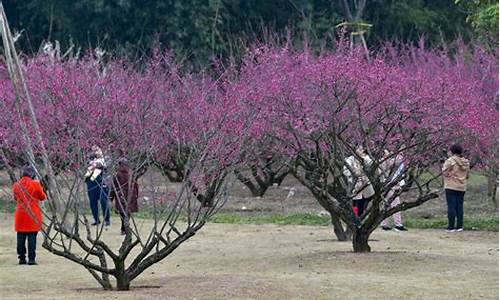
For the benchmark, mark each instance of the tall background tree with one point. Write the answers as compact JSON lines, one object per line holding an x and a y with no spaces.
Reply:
{"x":482,"y":15}
{"x":200,"y":30}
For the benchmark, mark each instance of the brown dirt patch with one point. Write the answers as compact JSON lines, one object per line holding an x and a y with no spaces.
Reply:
{"x":226,"y":261}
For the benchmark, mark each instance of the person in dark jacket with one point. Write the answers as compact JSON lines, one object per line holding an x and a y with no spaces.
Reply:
{"x":97,"y":188}
{"x":125,"y":191}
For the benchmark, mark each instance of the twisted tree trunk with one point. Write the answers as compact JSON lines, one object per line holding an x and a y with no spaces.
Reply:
{"x":122,"y":278}
{"x":360,"y":241}
{"x":338,"y":229}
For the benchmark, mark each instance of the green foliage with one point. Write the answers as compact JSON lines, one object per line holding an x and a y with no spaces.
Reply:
{"x":409,"y":20}
{"x":200,"y":30}
{"x":483,"y":16}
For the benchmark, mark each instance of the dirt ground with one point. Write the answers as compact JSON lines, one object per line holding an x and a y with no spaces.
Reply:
{"x":225,"y":261}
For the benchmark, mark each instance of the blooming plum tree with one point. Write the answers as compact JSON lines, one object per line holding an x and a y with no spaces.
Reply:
{"x":338,"y":113}
{"x":138,"y":114}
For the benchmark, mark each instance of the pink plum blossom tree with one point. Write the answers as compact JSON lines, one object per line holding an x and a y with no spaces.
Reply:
{"x":338,"y":107}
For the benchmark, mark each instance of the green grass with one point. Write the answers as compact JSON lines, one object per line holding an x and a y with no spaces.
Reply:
{"x":470,"y":223}
{"x":475,"y":178}
{"x":295,"y":219}
{"x":476,"y":223}
{"x":7,"y":206}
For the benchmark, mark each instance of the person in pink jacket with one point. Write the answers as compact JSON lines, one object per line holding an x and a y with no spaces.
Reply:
{"x":455,"y":174}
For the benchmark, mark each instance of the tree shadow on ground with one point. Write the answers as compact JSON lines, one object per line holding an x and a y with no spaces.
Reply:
{"x":132,"y":288}
{"x":348,"y":241}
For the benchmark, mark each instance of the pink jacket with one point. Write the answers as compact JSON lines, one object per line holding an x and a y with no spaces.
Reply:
{"x":455,"y":173}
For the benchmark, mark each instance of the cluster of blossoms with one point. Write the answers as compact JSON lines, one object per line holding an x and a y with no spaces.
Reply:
{"x":155,"y":110}
{"x":309,"y":110}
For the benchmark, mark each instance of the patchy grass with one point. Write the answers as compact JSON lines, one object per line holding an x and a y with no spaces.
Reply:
{"x":474,"y":223}
{"x":302,"y":209}
{"x":488,"y":223}
{"x":7,"y":206}
{"x":295,"y":219}
{"x":475,"y":178}
{"x":470,"y":223}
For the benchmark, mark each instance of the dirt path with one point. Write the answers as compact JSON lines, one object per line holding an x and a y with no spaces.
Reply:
{"x":226,"y":261}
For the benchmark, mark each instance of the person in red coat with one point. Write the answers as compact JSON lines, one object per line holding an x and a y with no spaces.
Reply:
{"x":27,"y":218}
{"x":125,"y":191}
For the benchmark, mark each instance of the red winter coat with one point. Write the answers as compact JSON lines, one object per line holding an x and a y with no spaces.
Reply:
{"x":125,"y":195}
{"x":28,"y":193}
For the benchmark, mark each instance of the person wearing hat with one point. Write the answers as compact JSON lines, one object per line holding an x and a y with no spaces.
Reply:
{"x":28,"y":193}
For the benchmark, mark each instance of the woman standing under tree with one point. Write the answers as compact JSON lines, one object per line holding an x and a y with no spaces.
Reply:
{"x":27,"y":218}
{"x":392,"y":169}
{"x":354,"y":171}
{"x":125,"y":191}
{"x":97,"y":189}
{"x":455,"y":175}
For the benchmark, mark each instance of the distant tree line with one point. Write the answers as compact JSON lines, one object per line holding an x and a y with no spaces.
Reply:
{"x":199,"y":30}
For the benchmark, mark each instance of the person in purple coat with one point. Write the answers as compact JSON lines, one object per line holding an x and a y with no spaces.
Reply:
{"x":125,"y":191}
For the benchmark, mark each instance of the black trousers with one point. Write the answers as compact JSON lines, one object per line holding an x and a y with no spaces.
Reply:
{"x":360,"y":204}
{"x":455,"y":201}
{"x":21,"y":245}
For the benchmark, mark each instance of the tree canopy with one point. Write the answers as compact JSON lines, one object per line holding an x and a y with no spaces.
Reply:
{"x":200,"y":30}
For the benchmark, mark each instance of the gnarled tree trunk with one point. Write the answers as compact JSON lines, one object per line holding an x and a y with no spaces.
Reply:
{"x":360,"y":241}
{"x":341,"y":234}
{"x":122,"y":278}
